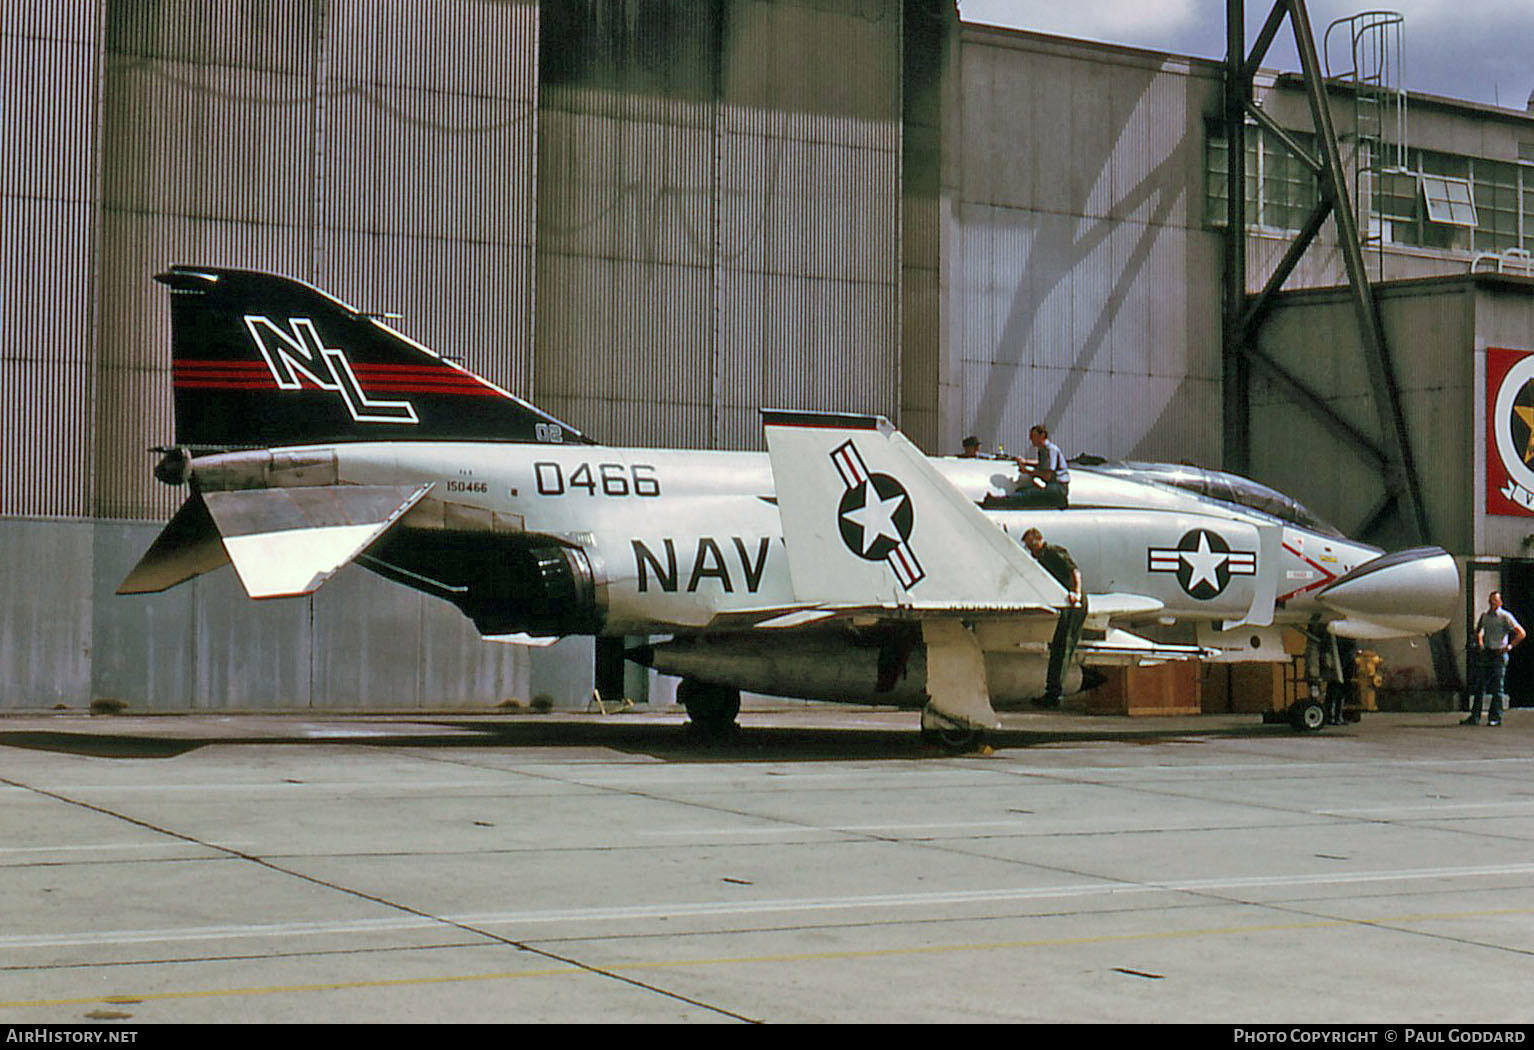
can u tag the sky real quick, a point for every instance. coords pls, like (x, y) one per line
(1475, 50)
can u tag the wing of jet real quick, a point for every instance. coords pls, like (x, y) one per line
(869, 522)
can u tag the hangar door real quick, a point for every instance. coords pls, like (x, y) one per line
(1518, 597)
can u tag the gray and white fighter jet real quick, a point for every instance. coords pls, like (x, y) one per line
(841, 565)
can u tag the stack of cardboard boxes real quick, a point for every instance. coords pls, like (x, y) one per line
(1189, 687)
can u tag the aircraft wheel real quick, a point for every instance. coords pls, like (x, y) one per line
(954, 740)
(937, 731)
(1309, 715)
(711, 708)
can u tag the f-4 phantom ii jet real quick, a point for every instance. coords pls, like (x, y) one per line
(841, 565)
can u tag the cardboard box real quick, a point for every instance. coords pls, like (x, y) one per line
(1256, 688)
(1171, 688)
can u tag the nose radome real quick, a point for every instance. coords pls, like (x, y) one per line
(1409, 592)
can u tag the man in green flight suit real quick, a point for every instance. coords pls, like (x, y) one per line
(1059, 564)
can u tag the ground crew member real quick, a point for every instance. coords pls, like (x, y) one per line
(1049, 475)
(1057, 561)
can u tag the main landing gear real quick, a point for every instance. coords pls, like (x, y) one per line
(956, 739)
(711, 709)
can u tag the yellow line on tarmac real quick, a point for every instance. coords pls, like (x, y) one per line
(280, 989)
(562, 971)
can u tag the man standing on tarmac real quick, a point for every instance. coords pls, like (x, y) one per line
(1058, 562)
(1495, 635)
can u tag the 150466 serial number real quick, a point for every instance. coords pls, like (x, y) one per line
(606, 479)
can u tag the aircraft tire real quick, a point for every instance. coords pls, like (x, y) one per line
(1309, 716)
(939, 731)
(954, 740)
(711, 708)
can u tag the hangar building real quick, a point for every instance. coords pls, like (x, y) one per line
(653, 217)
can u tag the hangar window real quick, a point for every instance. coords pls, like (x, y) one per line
(1446, 201)
(1280, 190)
(1442, 201)
(1496, 205)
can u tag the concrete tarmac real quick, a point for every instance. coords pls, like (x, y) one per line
(822, 866)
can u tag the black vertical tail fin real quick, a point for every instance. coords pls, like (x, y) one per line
(261, 360)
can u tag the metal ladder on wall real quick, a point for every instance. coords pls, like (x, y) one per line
(1378, 142)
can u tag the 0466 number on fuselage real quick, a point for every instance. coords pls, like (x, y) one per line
(608, 479)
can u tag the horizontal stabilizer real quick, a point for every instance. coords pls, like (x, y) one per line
(867, 520)
(286, 542)
(189, 546)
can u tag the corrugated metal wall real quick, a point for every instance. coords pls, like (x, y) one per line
(428, 165)
(383, 156)
(1083, 288)
(48, 177)
(718, 229)
(206, 154)
(718, 215)
(929, 65)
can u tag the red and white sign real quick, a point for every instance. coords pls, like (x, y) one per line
(1510, 432)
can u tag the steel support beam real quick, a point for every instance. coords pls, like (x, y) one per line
(1282, 134)
(1264, 41)
(1393, 457)
(1376, 516)
(1241, 322)
(1318, 407)
(1387, 395)
(1235, 370)
(1259, 308)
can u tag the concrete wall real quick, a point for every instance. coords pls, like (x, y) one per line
(359, 642)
